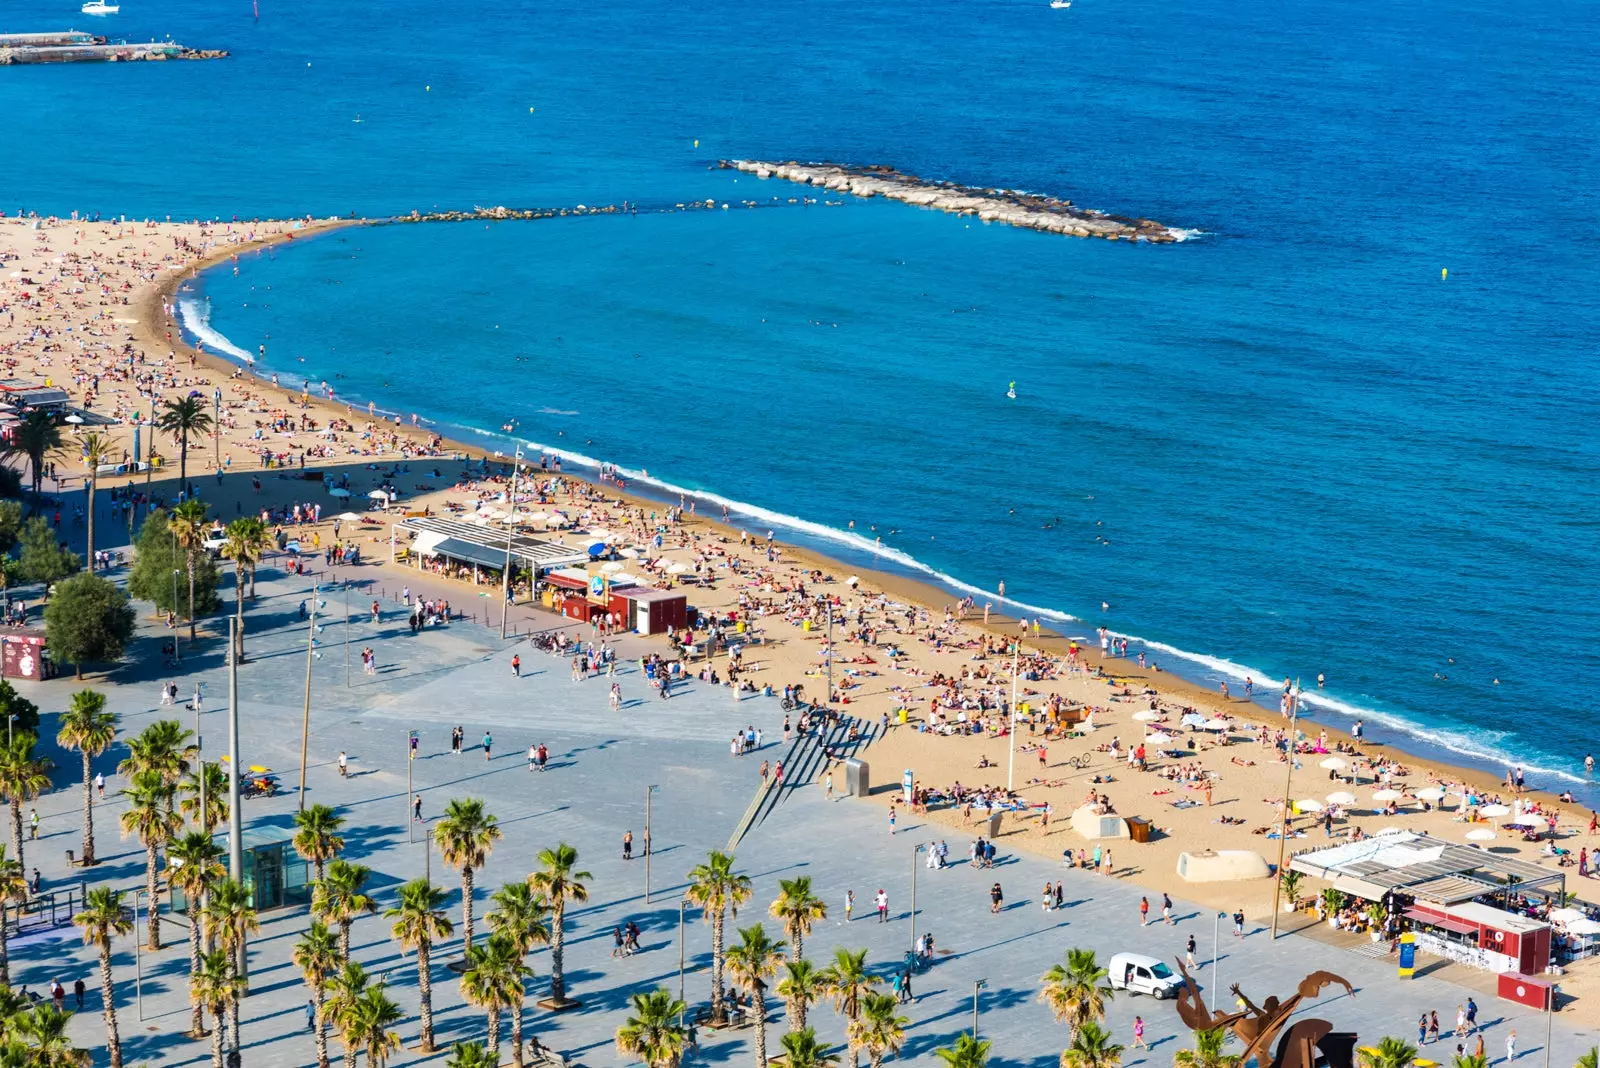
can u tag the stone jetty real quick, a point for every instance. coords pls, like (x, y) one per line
(990, 205)
(71, 46)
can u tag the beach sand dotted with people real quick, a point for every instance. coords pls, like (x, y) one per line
(88, 306)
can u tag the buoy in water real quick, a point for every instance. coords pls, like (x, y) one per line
(1444, 272)
(1011, 391)
(697, 142)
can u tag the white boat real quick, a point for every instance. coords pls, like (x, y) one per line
(1060, 3)
(100, 7)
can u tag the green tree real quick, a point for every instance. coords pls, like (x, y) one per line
(193, 869)
(493, 981)
(470, 1055)
(418, 923)
(1092, 1048)
(1590, 1059)
(96, 451)
(466, 834)
(42, 1030)
(13, 891)
(716, 888)
(231, 919)
(156, 556)
(22, 713)
(521, 916)
(210, 780)
(317, 956)
(162, 747)
(1390, 1052)
(36, 438)
(559, 881)
(1473, 1060)
(149, 815)
(42, 557)
(10, 524)
(348, 984)
(651, 1031)
(369, 1022)
(102, 919)
(247, 541)
(214, 986)
(752, 962)
(1077, 991)
(1207, 1051)
(184, 418)
(316, 837)
(341, 896)
(24, 775)
(801, 1049)
(87, 727)
(89, 620)
(968, 1052)
(802, 986)
(848, 980)
(188, 526)
(798, 909)
(880, 1030)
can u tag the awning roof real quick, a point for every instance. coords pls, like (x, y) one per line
(486, 545)
(1444, 923)
(1426, 867)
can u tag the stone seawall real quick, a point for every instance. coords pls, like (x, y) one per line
(990, 205)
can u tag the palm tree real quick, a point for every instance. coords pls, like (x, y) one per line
(799, 909)
(100, 920)
(188, 525)
(231, 918)
(349, 984)
(181, 418)
(1207, 1052)
(470, 1055)
(1077, 992)
(245, 544)
(418, 923)
(849, 982)
(369, 1022)
(316, 837)
(214, 986)
(1390, 1052)
(214, 789)
(149, 816)
(96, 451)
(1473, 1060)
(521, 916)
(752, 962)
(36, 438)
(466, 835)
(13, 888)
(802, 986)
(717, 889)
(802, 1050)
(1590, 1059)
(316, 954)
(163, 748)
(651, 1031)
(193, 868)
(44, 1027)
(87, 727)
(1092, 1048)
(341, 896)
(880, 1029)
(559, 882)
(968, 1052)
(23, 777)
(493, 981)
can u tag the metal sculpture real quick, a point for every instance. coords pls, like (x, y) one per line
(1303, 1045)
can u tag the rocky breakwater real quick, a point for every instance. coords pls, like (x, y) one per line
(990, 205)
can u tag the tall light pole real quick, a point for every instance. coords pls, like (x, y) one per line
(177, 650)
(829, 701)
(347, 633)
(977, 985)
(1215, 983)
(1283, 821)
(511, 526)
(649, 791)
(916, 851)
(683, 905)
(411, 823)
(216, 429)
(235, 819)
(1011, 738)
(305, 722)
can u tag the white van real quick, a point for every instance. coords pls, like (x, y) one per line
(1139, 974)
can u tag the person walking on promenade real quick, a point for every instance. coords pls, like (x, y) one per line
(516, 665)
(849, 904)
(416, 808)
(627, 845)
(488, 744)
(1138, 1033)
(1238, 923)
(1511, 1045)
(1166, 911)
(1472, 1016)
(1144, 912)
(344, 765)
(881, 900)
(1188, 951)
(996, 898)
(544, 756)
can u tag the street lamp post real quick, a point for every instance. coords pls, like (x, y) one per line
(916, 851)
(977, 985)
(177, 649)
(411, 824)
(305, 722)
(649, 791)
(235, 817)
(1283, 821)
(347, 633)
(1011, 738)
(683, 905)
(511, 526)
(829, 701)
(1215, 984)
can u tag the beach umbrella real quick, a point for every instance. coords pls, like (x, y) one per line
(1341, 797)
(538, 517)
(1147, 716)
(1332, 763)
(1537, 823)
(1567, 915)
(599, 535)
(1310, 804)
(1431, 793)
(1386, 795)
(73, 419)
(631, 554)
(1494, 810)
(1216, 725)
(1584, 927)
(1193, 719)
(339, 492)
(350, 517)
(1482, 834)
(677, 568)
(613, 567)
(1159, 737)
(1389, 830)
(597, 548)
(378, 495)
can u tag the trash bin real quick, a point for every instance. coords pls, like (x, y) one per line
(857, 782)
(1138, 829)
(994, 823)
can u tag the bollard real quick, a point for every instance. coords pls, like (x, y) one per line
(70, 860)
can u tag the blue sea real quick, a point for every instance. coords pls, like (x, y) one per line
(1288, 446)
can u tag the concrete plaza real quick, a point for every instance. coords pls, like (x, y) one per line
(600, 768)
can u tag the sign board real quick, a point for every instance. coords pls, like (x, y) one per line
(1408, 955)
(907, 785)
(22, 659)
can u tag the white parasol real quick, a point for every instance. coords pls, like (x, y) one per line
(1332, 763)
(1147, 716)
(612, 567)
(1387, 795)
(1216, 725)
(1158, 737)
(677, 568)
(378, 495)
(1341, 797)
(1567, 915)
(350, 517)
(1482, 834)
(1310, 804)
(339, 492)
(1390, 830)
(1583, 927)
(1431, 793)
(1530, 820)
(1494, 810)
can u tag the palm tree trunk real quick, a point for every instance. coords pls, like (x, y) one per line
(761, 1029)
(216, 1045)
(252, 582)
(795, 937)
(558, 978)
(153, 916)
(238, 630)
(90, 532)
(349, 1054)
(466, 909)
(718, 1013)
(233, 1016)
(494, 1035)
(191, 562)
(16, 832)
(425, 994)
(88, 811)
(344, 938)
(197, 1010)
(321, 1027)
(516, 1032)
(107, 1001)
(5, 949)
(183, 461)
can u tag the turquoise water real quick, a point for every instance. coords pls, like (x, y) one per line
(1307, 451)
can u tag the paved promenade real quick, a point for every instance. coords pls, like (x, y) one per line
(601, 765)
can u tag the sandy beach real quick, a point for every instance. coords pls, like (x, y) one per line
(87, 306)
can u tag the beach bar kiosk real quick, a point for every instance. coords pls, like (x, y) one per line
(654, 611)
(275, 875)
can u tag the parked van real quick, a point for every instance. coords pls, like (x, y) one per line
(1139, 974)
